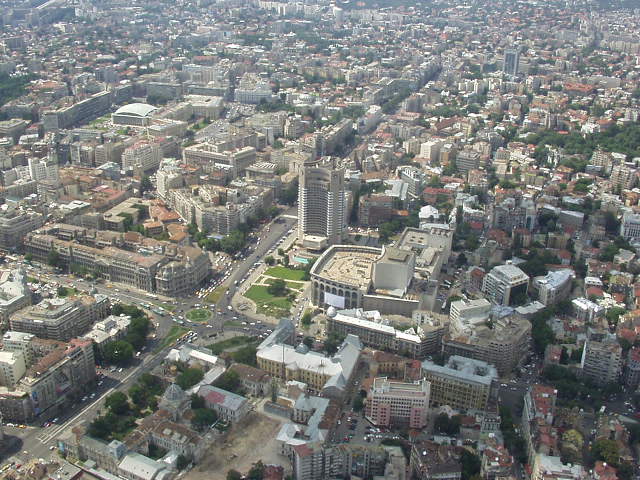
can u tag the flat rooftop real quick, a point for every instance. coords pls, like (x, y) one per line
(350, 267)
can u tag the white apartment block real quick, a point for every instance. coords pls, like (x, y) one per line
(630, 225)
(143, 156)
(504, 282)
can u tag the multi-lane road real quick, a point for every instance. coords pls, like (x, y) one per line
(38, 440)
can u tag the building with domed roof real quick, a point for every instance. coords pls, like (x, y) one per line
(175, 401)
(134, 114)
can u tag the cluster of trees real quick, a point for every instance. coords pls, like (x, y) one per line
(536, 261)
(144, 393)
(122, 411)
(611, 250)
(255, 473)
(237, 239)
(464, 238)
(13, 86)
(575, 391)
(121, 351)
(390, 228)
(246, 355)
(607, 450)
(289, 195)
(333, 341)
(512, 439)
(446, 425)
(625, 139)
(188, 376)
(230, 381)
(391, 105)
(541, 332)
(203, 417)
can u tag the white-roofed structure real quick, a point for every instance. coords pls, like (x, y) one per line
(134, 114)
(138, 467)
(321, 373)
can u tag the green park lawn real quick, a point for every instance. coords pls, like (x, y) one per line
(285, 273)
(266, 303)
(292, 285)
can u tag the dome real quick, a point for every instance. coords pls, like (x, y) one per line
(136, 110)
(174, 393)
(331, 312)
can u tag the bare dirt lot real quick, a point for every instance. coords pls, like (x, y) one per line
(247, 442)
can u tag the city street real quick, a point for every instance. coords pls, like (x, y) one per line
(38, 440)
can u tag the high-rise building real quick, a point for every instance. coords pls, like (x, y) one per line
(398, 403)
(506, 285)
(511, 61)
(602, 361)
(322, 205)
(630, 225)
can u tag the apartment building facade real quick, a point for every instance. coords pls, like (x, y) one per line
(397, 403)
(462, 383)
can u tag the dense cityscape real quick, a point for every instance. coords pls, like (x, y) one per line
(268, 240)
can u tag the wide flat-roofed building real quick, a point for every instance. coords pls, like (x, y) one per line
(463, 383)
(349, 276)
(342, 275)
(432, 236)
(60, 318)
(134, 114)
(375, 331)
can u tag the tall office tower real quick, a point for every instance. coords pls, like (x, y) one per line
(511, 61)
(322, 205)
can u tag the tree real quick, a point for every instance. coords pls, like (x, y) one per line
(189, 377)
(269, 260)
(139, 396)
(246, 355)
(53, 258)
(229, 381)
(461, 260)
(358, 403)
(145, 185)
(613, 315)
(203, 417)
(28, 257)
(306, 319)
(118, 352)
(333, 341)
(606, 450)
(182, 462)
(278, 288)
(197, 401)
(234, 475)
(447, 426)
(470, 465)
(100, 428)
(256, 472)
(117, 402)
(308, 341)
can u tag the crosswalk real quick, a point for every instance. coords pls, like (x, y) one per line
(50, 433)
